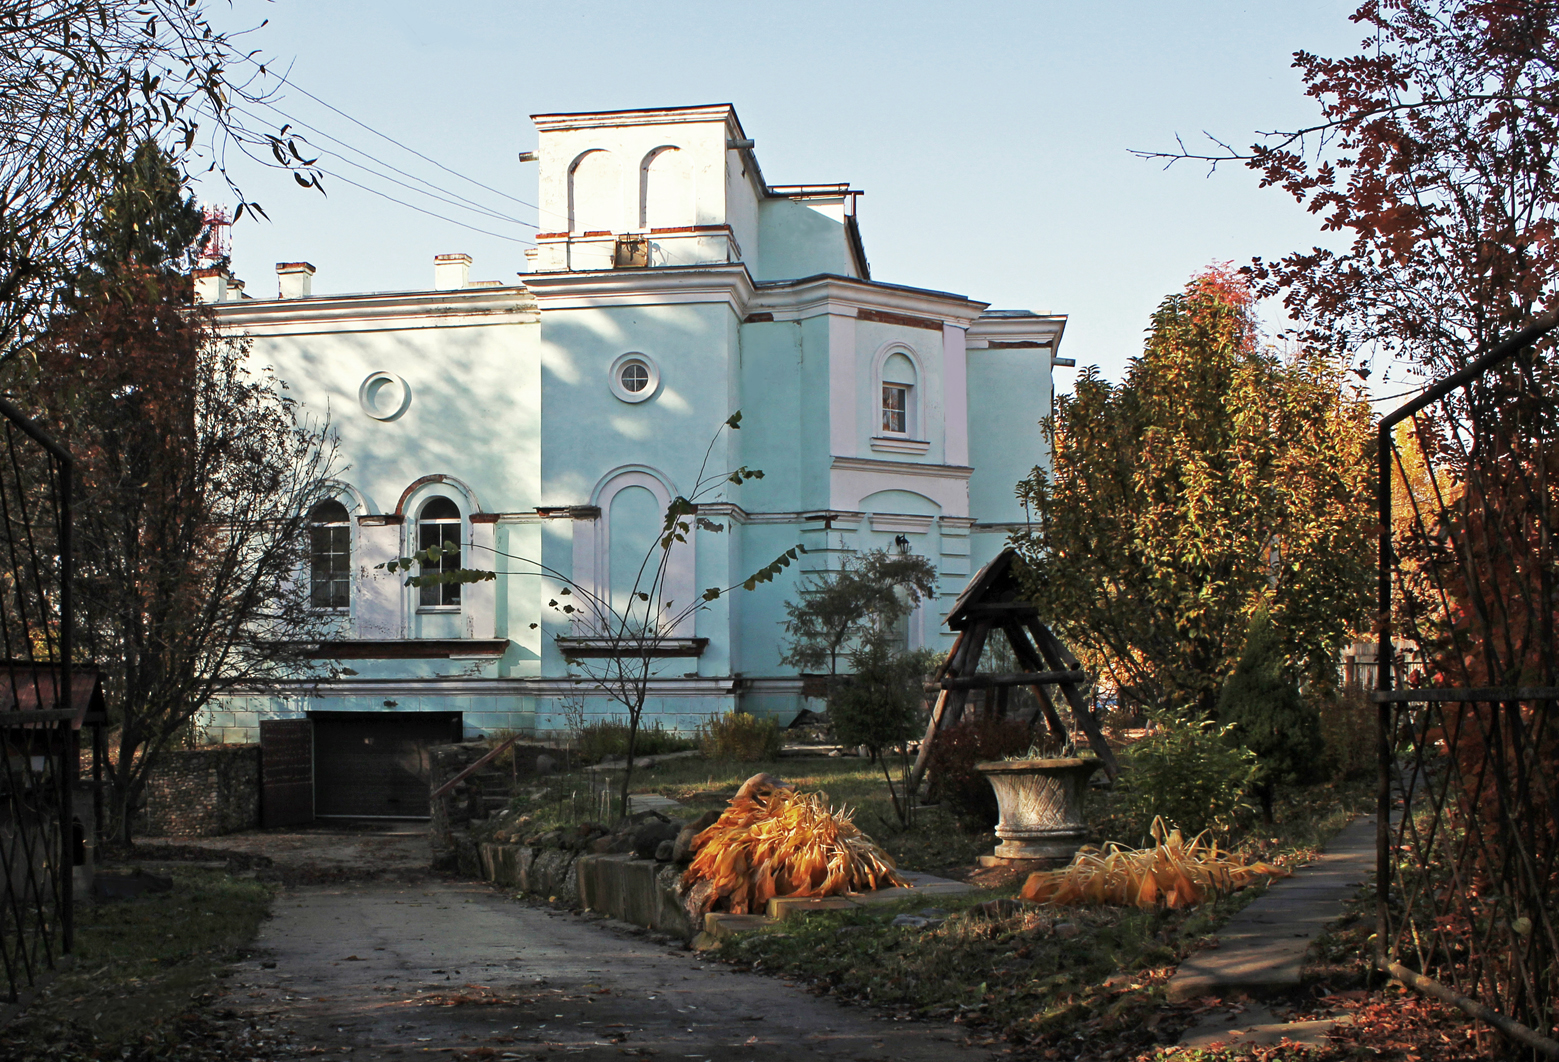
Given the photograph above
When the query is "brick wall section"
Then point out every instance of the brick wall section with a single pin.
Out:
(203, 792)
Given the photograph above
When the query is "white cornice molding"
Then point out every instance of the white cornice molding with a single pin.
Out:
(533, 686)
(794, 300)
(995, 329)
(714, 112)
(905, 522)
(660, 286)
(388, 311)
(902, 468)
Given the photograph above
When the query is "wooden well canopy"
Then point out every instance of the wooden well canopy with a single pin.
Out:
(993, 601)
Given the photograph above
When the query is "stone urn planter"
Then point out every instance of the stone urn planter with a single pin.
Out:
(1041, 803)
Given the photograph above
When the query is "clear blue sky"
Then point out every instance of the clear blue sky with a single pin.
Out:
(992, 139)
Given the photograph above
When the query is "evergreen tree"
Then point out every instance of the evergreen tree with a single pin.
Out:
(1261, 700)
(148, 225)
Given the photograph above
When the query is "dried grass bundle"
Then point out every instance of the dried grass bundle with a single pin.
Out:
(774, 841)
(1172, 873)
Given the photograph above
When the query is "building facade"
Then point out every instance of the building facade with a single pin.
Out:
(552, 419)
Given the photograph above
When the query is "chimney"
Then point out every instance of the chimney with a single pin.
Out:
(451, 272)
(295, 279)
(211, 285)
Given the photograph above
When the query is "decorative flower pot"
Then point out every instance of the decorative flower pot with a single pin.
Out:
(1041, 804)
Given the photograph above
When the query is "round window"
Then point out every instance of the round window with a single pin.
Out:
(634, 377)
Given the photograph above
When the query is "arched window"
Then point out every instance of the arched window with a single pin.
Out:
(595, 193)
(666, 190)
(898, 395)
(330, 556)
(439, 525)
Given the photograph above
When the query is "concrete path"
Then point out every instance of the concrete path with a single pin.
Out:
(404, 971)
(1260, 950)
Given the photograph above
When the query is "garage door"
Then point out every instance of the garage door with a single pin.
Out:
(375, 764)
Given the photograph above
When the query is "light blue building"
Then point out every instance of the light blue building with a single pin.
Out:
(554, 417)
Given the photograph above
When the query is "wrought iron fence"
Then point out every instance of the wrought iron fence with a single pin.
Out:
(1468, 861)
(38, 705)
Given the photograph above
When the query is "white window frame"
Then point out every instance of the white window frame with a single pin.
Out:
(346, 524)
(651, 386)
(913, 438)
(461, 524)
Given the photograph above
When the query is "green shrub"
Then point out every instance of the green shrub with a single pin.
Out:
(1261, 709)
(605, 739)
(956, 750)
(1348, 734)
(740, 737)
(879, 706)
(1192, 776)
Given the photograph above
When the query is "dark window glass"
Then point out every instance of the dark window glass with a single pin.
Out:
(635, 377)
(330, 556)
(895, 408)
(439, 525)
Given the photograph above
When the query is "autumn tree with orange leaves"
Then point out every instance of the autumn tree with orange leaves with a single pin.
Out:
(1215, 481)
(194, 475)
(1435, 147)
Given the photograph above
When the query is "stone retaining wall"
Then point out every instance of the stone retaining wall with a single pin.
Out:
(203, 792)
(453, 812)
(640, 891)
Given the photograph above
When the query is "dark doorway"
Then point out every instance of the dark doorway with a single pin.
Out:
(286, 772)
(375, 764)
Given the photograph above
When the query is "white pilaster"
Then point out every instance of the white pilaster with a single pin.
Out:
(379, 612)
(842, 382)
(955, 396)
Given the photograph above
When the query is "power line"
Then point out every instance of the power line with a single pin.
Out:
(385, 136)
(424, 210)
(455, 199)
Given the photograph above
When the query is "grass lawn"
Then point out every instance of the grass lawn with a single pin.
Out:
(139, 966)
(1074, 982)
(1062, 982)
(935, 843)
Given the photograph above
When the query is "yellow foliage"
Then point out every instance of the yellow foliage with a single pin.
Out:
(1172, 873)
(774, 841)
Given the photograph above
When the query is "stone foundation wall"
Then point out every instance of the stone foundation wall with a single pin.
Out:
(454, 811)
(203, 792)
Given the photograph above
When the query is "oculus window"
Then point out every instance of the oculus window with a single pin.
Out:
(634, 377)
(330, 556)
(439, 525)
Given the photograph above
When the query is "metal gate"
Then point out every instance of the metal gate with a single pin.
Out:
(38, 748)
(286, 772)
(1468, 860)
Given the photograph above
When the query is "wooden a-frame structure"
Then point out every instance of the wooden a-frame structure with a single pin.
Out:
(993, 602)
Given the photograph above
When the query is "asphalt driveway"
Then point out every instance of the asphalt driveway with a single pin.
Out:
(398, 970)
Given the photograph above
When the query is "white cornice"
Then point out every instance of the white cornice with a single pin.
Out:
(534, 686)
(1009, 327)
(380, 312)
(902, 468)
(714, 112)
(909, 522)
(729, 284)
(793, 300)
